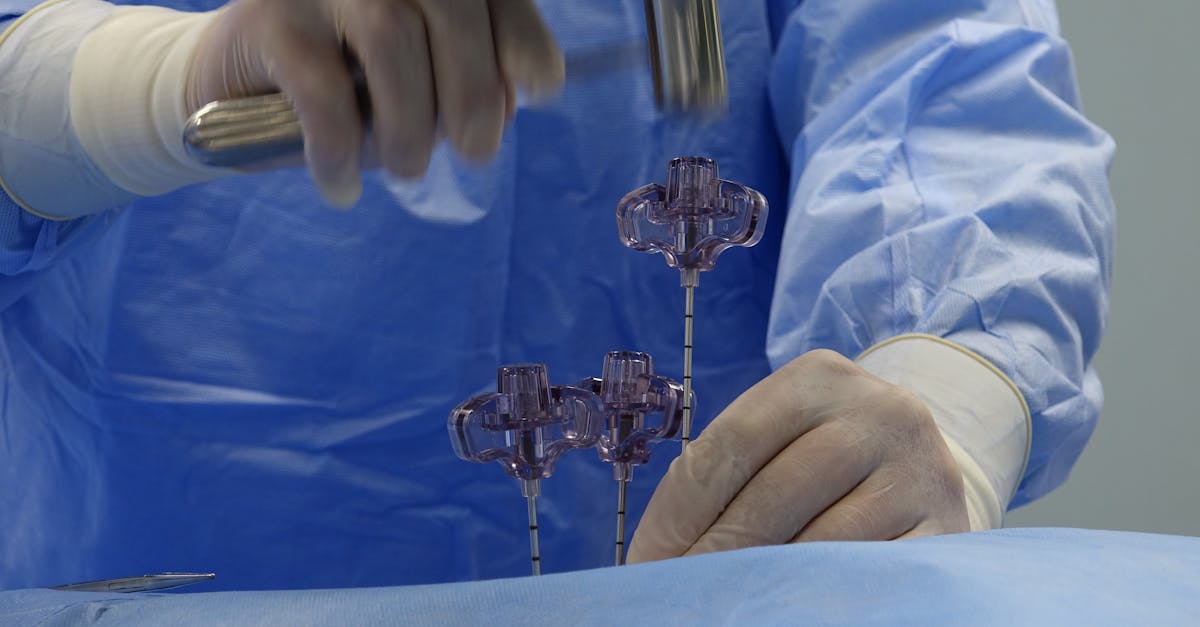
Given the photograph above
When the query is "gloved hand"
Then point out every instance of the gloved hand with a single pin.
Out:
(426, 62)
(820, 450)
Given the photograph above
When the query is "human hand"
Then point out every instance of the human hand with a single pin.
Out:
(820, 450)
(426, 62)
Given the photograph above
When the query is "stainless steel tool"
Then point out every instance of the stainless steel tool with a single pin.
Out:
(144, 583)
(687, 62)
(687, 58)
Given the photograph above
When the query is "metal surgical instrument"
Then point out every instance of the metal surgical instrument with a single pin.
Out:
(641, 409)
(526, 425)
(691, 220)
(145, 583)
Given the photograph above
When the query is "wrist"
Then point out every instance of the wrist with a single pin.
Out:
(979, 411)
(129, 97)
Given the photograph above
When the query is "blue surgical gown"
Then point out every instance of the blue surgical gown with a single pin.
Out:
(234, 378)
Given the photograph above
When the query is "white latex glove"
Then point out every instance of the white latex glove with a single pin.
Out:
(819, 450)
(426, 62)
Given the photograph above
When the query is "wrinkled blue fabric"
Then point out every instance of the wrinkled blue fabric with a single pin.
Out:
(234, 378)
(1011, 577)
(12, 9)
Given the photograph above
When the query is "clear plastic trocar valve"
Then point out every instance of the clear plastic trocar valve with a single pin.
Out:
(526, 426)
(691, 220)
(641, 409)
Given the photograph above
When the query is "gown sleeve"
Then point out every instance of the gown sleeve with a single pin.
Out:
(945, 182)
(38, 62)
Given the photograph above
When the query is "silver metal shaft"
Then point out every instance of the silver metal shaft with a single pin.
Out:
(144, 583)
(687, 364)
(620, 559)
(535, 554)
(687, 56)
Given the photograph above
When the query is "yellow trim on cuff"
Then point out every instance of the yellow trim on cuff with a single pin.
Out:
(979, 358)
(4, 185)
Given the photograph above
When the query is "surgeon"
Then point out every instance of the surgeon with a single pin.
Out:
(205, 369)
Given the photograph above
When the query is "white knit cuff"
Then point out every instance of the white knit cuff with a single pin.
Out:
(980, 412)
(128, 97)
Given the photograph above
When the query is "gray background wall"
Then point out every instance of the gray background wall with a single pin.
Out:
(1139, 71)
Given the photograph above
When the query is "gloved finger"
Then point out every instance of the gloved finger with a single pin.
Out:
(389, 39)
(312, 72)
(880, 508)
(470, 92)
(224, 48)
(812, 473)
(510, 102)
(525, 49)
(923, 529)
(713, 469)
